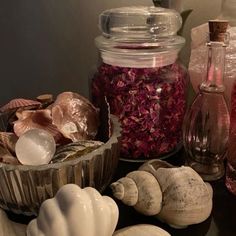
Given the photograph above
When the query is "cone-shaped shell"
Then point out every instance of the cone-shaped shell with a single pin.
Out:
(19, 102)
(141, 190)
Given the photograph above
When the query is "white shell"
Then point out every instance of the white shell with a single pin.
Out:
(141, 230)
(75, 212)
(141, 190)
(186, 198)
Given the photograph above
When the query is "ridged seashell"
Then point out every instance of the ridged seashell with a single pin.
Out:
(75, 117)
(45, 99)
(141, 190)
(8, 139)
(35, 119)
(141, 230)
(19, 102)
(6, 157)
(76, 149)
(185, 198)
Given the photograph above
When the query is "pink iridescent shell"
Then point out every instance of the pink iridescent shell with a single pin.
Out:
(18, 103)
(75, 117)
(35, 119)
(8, 140)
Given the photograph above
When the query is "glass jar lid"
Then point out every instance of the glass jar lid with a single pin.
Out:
(140, 22)
(146, 33)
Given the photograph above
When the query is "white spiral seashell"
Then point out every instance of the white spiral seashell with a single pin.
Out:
(180, 193)
(141, 190)
(186, 198)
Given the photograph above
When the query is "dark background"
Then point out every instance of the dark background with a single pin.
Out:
(47, 46)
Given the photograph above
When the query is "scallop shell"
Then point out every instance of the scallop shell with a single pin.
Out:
(6, 157)
(19, 102)
(75, 117)
(45, 99)
(76, 149)
(9, 140)
(35, 119)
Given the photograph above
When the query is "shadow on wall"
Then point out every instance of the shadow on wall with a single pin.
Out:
(47, 46)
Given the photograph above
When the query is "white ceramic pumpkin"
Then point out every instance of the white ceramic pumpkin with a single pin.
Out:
(75, 212)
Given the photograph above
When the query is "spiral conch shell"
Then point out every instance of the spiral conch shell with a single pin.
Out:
(179, 196)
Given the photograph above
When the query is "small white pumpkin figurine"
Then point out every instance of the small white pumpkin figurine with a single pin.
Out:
(176, 195)
(75, 212)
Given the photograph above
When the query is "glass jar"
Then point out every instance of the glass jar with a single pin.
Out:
(142, 79)
(230, 179)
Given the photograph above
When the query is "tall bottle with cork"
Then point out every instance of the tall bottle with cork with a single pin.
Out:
(206, 125)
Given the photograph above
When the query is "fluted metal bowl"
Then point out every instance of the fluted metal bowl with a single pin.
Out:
(23, 188)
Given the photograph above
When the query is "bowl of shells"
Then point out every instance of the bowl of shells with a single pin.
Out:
(48, 142)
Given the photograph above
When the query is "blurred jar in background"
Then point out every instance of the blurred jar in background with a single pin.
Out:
(231, 158)
(197, 65)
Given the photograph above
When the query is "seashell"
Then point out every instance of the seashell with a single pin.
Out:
(185, 198)
(141, 230)
(35, 119)
(6, 157)
(74, 150)
(45, 99)
(141, 190)
(18, 103)
(75, 117)
(8, 140)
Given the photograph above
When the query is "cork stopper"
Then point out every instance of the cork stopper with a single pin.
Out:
(217, 30)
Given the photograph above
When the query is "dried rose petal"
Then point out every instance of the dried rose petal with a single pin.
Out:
(150, 103)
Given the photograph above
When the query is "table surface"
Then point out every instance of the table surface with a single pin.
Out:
(222, 221)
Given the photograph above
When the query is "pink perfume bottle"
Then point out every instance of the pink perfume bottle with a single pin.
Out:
(206, 124)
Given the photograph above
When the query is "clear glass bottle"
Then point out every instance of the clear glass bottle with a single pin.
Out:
(142, 78)
(230, 179)
(198, 50)
(206, 124)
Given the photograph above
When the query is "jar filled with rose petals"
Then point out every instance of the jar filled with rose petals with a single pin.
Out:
(142, 78)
